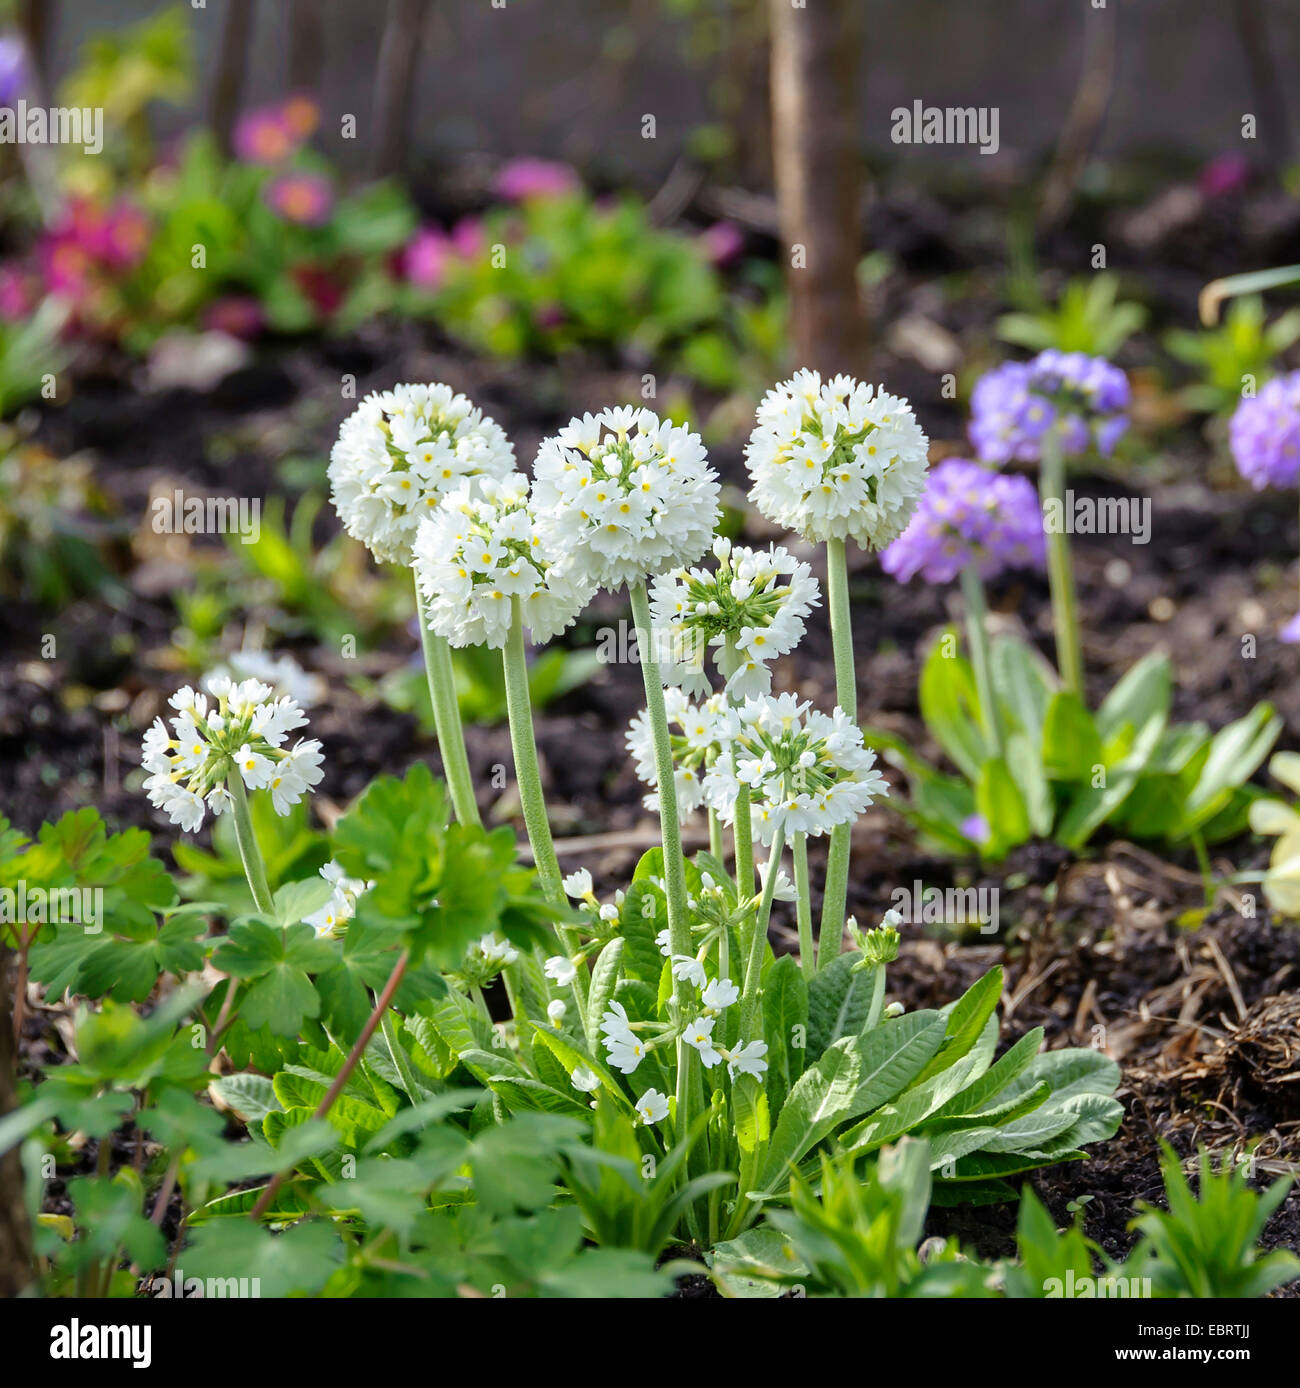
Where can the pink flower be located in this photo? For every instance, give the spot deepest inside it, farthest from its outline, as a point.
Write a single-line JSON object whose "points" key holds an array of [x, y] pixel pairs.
{"points": [[303, 198], [1228, 173], [265, 137], [301, 115], [522, 179], [236, 315], [123, 237], [722, 242], [424, 260], [468, 239], [16, 298]]}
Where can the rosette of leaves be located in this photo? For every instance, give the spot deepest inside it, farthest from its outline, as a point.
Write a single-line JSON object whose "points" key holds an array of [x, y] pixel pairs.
{"points": [[840, 1074], [1066, 772]]}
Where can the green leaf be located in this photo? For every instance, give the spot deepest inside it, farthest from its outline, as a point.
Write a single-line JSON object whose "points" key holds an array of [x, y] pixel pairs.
{"points": [[604, 980], [297, 1261], [949, 702], [1000, 803], [785, 1008], [856, 1075], [838, 1003], [1071, 746]]}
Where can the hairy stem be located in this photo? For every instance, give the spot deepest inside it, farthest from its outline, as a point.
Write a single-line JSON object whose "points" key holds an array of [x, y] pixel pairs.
{"points": [[977, 638], [1060, 567], [446, 717], [836, 891], [250, 854], [679, 927], [803, 906]]}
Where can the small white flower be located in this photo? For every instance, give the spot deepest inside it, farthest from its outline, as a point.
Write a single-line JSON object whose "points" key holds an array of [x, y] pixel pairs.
{"points": [[561, 969], [609, 913], [748, 1059], [687, 967], [699, 1034], [588, 1081], [254, 768], [578, 884], [652, 1106], [720, 994], [555, 1010], [625, 1052]]}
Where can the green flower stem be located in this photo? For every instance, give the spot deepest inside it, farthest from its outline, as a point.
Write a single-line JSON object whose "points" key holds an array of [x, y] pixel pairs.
{"points": [[756, 939], [977, 637], [743, 834], [836, 893], [254, 867], [446, 717], [803, 907], [679, 926], [1060, 570], [528, 777], [715, 836], [743, 824]]}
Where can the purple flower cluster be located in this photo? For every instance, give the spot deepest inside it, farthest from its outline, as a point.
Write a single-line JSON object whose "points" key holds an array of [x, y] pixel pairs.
{"points": [[1013, 406], [969, 514], [1265, 434]]}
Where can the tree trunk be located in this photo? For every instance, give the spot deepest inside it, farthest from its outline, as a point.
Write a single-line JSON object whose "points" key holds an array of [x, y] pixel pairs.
{"points": [[399, 54], [815, 51], [15, 1233], [35, 20], [1267, 90], [306, 46], [232, 65]]}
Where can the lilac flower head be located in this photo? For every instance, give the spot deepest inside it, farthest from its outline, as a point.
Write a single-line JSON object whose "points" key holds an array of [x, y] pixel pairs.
{"points": [[1265, 434], [13, 69], [1013, 406], [969, 514]]}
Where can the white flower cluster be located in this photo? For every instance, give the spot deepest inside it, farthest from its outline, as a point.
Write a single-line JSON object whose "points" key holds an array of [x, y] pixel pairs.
{"points": [[806, 772], [342, 905], [627, 1050], [244, 732], [694, 746], [835, 460], [630, 494], [481, 548], [400, 452], [753, 604], [485, 959]]}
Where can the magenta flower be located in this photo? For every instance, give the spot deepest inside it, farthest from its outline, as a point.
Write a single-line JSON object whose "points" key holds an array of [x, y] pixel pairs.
{"points": [[303, 198], [523, 179], [265, 137], [722, 242], [236, 315], [468, 239], [424, 259], [16, 299], [1229, 173]]}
